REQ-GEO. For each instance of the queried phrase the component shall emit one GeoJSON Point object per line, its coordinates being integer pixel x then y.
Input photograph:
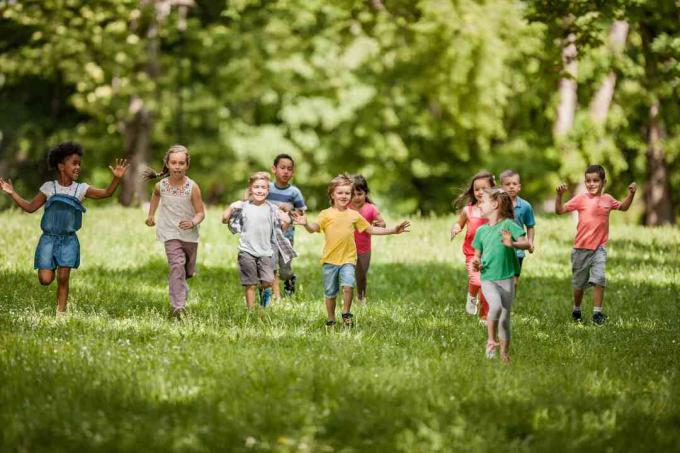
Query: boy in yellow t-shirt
{"type": "Point", "coordinates": [339, 252]}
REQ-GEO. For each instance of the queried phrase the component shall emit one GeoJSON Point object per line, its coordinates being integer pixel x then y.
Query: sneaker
{"type": "Point", "coordinates": [289, 286]}
{"type": "Point", "coordinates": [599, 318]}
{"type": "Point", "coordinates": [347, 319]}
{"type": "Point", "coordinates": [265, 296]}
{"type": "Point", "coordinates": [491, 347]}
{"type": "Point", "coordinates": [576, 316]}
{"type": "Point", "coordinates": [471, 305]}
{"type": "Point", "coordinates": [330, 323]}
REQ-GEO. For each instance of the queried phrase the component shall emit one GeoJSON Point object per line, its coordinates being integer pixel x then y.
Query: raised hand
{"type": "Point", "coordinates": [561, 189]}
{"type": "Point", "coordinates": [403, 227]}
{"type": "Point", "coordinates": [120, 168]}
{"type": "Point", "coordinates": [507, 238]}
{"type": "Point", "coordinates": [632, 188]}
{"type": "Point", "coordinates": [7, 186]}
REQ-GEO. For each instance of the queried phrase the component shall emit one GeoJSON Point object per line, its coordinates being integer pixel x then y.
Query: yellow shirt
{"type": "Point", "coordinates": [338, 228]}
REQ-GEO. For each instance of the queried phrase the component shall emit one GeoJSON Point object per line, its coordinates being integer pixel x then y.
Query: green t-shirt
{"type": "Point", "coordinates": [498, 261]}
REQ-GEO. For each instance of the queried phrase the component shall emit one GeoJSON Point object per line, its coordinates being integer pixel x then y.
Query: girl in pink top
{"type": "Point", "coordinates": [472, 217]}
{"type": "Point", "coordinates": [363, 204]}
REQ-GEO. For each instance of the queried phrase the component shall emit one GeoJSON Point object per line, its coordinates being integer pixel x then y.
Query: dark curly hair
{"type": "Point", "coordinates": [59, 153]}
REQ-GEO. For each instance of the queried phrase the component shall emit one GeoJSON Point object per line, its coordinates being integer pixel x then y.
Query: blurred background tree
{"type": "Point", "coordinates": [417, 96]}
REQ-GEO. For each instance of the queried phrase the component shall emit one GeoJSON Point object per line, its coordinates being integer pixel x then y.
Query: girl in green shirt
{"type": "Point", "coordinates": [495, 244]}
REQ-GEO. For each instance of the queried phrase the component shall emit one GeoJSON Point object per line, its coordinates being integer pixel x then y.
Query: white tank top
{"type": "Point", "coordinates": [175, 206]}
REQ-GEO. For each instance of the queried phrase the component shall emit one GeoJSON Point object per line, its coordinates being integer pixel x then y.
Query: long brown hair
{"type": "Point", "coordinates": [505, 208]}
{"type": "Point", "coordinates": [151, 174]}
{"type": "Point", "coordinates": [340, 180]}
{"type": "Point", "coordinates": [468, 197]}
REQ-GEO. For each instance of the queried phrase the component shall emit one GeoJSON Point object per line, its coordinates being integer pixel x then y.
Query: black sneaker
{"type": "Point", "coordinates": [347, 319]}
{"type": "Point", "coordinates": [576, 316]}
{"type": "Point", "coordinates": [599, 318]}
{"type": "Point", "coordinates": [289, 286]}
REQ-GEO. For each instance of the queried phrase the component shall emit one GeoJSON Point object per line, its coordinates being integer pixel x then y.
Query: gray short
{"type": "Point", "coordinates": [587, 267]}
{"type": "Point", "coordinates": [254, 269]}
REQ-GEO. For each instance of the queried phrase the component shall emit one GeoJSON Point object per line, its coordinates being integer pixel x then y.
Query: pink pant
{"type": "Point", "coordinates": [182, 263]}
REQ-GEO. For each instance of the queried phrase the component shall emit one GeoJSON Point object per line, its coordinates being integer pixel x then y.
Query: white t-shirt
{"type": "Point", "coordinates": [49, 189]}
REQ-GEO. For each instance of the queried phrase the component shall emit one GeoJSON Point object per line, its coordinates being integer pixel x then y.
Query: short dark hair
{"type": "Point", "coordinates": [283, 156]}
{"type": "Point", "coordinates": [599, 169]}
{"type": "Point", "coordinates": [59, 153]}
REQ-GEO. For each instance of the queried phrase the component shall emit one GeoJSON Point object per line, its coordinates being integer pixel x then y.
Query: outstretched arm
{"type": "Point", "coordinates": [118, 172]}
{"type": "Point", "coordinates": [521, 243]}
{"type": "Point", "coordinates": [381, 231]}
{"type": "Point", "coordinates": [153, 205]}
{"type": "Point", "coordinates": [28, 206]}
{"type": "Point", "coordinates": [559, 208]}
{"type": "Point", "coordinates": [460, 223]}
{"type": "Point", "coordinates": [199, 210]}
{"type": "Point", "coordinates": [625, 204]}
{"type": "Point", "coordinates": [301, 219]}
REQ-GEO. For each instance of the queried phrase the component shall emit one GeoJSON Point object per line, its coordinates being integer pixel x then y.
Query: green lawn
{"type": "Point", "coordinates": [411, 375]}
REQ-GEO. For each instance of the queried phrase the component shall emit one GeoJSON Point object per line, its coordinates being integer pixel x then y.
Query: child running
{"type": "Point", "coordinates": [495, 256]}
{"type": "Point", "coordinates": [58, 248]}
{"type": "Point", "coordinates": [338, 224]}
{"type": "Point", "coordinates": [524, 212]}
{"type": "Point", "coordinates": [181, 211]}
{"type": "Point", "coordinates": [261, 225]}
{"type": "Point", "coordinates": [589, 256]}
{"type": "Point", "coordinates": [472, 217]}
{"type": "Point", "coordinates": [364, 206]}
{"type": "Point", "coordinates": [289, 198]}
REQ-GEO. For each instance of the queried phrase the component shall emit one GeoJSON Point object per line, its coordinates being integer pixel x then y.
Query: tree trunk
{"type": "Point", "coordinates": [658, 209]}
{"type": "Point", "coordinates": [137, 138]}
{"type": "Point", "coordinates": [599, 106]}
{"type": "Point", "coordinates": [566, 108]}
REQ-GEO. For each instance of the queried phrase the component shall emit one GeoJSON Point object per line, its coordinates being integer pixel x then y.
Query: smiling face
{"type": "Point", "coordinates": [283, 171]}
{"type": "Point", "coordinates": [70, 167]}
{"type": "Point", "coordinates": [178, 164]}
{"type": "Point", "coordinates": [341, 196]}
{"type": "Point", "coordinates": [511, 185]}
{"type": "Point", "coordinates": [594, 183]}
{"type": "Point", "coordinates": [478, 186]}
{"type": "Point", "coordinates": [259, 190]}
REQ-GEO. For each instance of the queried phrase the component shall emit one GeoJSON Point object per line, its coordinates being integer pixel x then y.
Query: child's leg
{"type": "Point", "coordinates": [250, 295]}
{"type": "Point", "coordinates": [347, 295]}
{"type": "Point", "coordinates": [331, 287]}
{"type": "Point", "coordinates": [277, 259]}
{"type": "Point", "coordinates": [507, 293]}
{"type": "Point", "coordinates": [578, 297]}
{"type": "Point", "coordinates": [363, 263]}
{"type": "Point", "coordinates": [493, 298]}
{"type": "Point", "coordinates": [347, 280]}
{"type": "Point", "coordinates": [483, 305]}
{"type": "Point", "coordinates": [330, 308]}
{"type": "Point", "coordinates": [598, 296]}
{"type": "Point", "coordinates": [176, 274]}
{"type": "Point", "coordinates": [45, 276]}
{"type": "Point", "coordinates": [63, 275]}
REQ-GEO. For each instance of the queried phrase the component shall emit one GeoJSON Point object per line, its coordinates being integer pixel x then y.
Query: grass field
{"type": "Point", "coordinates": [411, 376]}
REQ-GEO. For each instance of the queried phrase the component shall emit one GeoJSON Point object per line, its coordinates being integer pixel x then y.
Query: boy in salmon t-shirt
{"type": "Point", "coordinates": [589, 256]}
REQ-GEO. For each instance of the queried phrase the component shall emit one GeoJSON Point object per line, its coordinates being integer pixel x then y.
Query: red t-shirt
{"type": "Point", "coordinates": [363, 239]}
{"type": "Point", "coordinates": [592, 230]}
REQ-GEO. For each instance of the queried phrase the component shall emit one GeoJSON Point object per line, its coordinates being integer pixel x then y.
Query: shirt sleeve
{"type": "Point", "coordinates": [299, 200]}
{"type": "Point", "coordinates": [529, 219]}
{"type": "Point", "coordinates": [322, 220]}
{"type": "Point", "coordinates": [573, 204]}
{"type": "Point", "coordinates": [82, 190]}
{"type": "Point", "coordinates": [47, 189]}
{"type": "Point", "coordinates": [613, 202]}
{"type": "Point", "coordinates": [360, 224]}
{"type": "Point", "coordinates": [477, 241]}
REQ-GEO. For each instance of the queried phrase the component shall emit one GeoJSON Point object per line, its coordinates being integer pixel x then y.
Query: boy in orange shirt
{"type": "Point", "coordinates": [589, 256]}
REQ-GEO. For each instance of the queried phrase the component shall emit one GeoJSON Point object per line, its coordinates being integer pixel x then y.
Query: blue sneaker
{"type": "Point", "coordinates": [599, 318]}
{"type": "Point", "coordinates": [265, 296]}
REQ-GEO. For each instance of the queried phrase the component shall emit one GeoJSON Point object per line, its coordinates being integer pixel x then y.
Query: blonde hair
{"type": "Point", "coordinates": [150, 174]}
{"type": "Point", "coordinates": [505, 208]}
{"type": "Point", "coordinates": [341, 180]}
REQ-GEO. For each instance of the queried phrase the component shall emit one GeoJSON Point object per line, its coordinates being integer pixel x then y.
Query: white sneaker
{"type": "Point", "coordinates": [471, 305]}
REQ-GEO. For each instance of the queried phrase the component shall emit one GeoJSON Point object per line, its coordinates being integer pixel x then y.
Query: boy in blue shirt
{"type": "Point", "coordinates": [289, 198]}
{"type": "Point", "coordinates": [524, 213]}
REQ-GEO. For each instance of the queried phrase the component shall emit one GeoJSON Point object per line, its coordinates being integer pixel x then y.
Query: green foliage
{"type": "Point", "coordinates": [411, 376]}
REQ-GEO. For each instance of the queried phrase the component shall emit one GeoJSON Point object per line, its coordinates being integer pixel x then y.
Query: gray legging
{"type": "Point", "coordinates": [499, 295]}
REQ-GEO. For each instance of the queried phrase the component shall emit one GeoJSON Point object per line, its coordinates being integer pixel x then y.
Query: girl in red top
{"type": "Point", "coordinates": [363, 204]}
{"type": "Point", "coordinates": [472, 217]}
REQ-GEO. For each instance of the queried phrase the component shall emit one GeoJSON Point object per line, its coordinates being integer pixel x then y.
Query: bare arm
{"type": "Point", "coordinates": [521, 243]}
{"type": "Point", "coordinates": [379, 221]}
{"type": "Point", "coordinates": [477, 261]}
{"type": "Point", "coordinates": [199, 210]}
{"type": "Point", "coordinates": [118, 172]}
{"type": "Point", "coordinates": [382, 231]}
{"type": "Point", "coordinates": [301, 219]}
{"type": "Point", "coordinates": [625, 204]}
{"type": "Point", "coordinates": [153, 205]}
{"type": "Point", "coordinates": [459, 224]}
{"type": "Point", "coordinates": [28, 206]}
{"type": "Point", "coordinates": [559, 208]}
{"type": "Point", "coordinates": [530, 237]}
